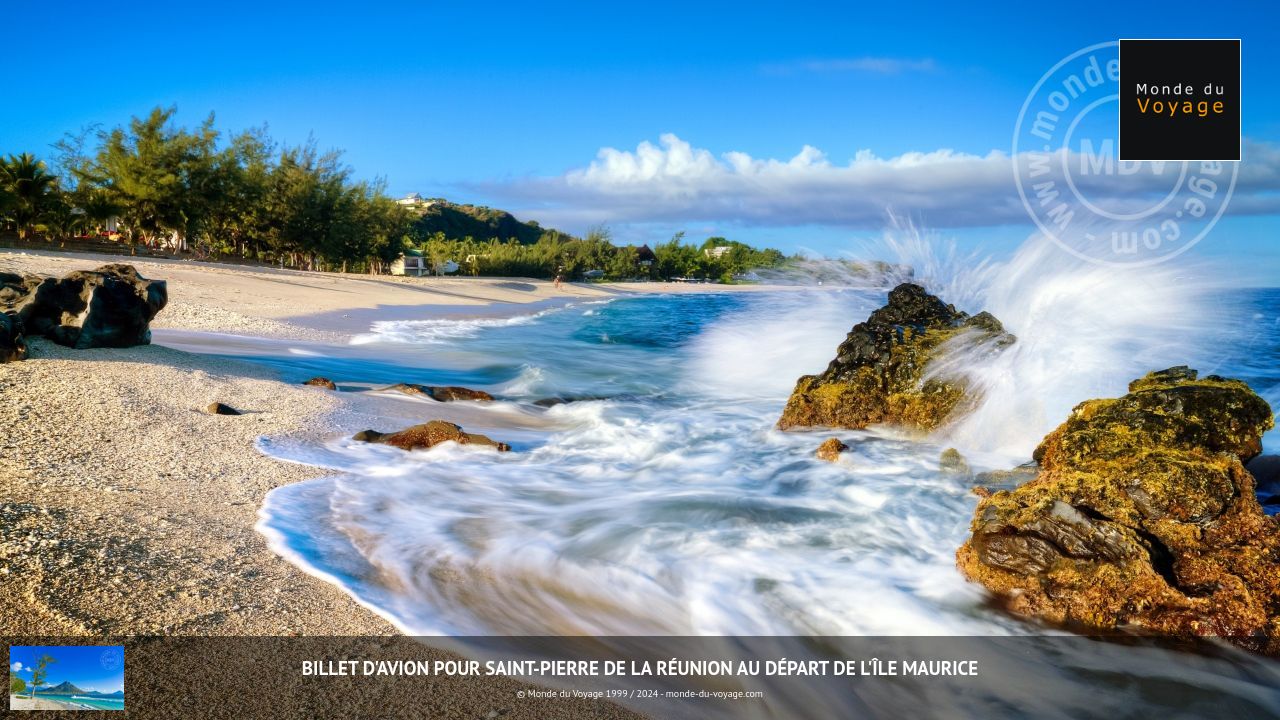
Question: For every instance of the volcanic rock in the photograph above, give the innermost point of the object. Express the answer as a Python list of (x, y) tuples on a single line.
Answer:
[(221, 409), (878, 374), (830, 449), (109, 307), (323, 382), (429, 434), (1142, 517), (441, 393), (13, 346)]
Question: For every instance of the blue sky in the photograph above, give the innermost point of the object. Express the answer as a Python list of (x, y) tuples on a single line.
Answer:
[(81, 665), (500, 103)]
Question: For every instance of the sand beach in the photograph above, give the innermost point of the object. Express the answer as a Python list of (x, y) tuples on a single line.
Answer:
[(127, 510)]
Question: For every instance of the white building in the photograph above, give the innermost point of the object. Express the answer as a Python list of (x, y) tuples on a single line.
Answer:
[(414, 200), (410, 263)]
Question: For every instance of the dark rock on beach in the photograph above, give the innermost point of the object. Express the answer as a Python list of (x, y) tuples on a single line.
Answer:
[(221, 409), (878, 374), (13, 346), (1142, 517), (441, 393), (429, 434), (323, 382), (830, 449), (109, 307), (554, 401)]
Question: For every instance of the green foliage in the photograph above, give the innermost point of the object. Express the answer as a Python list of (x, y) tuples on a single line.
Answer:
[(40, 673), (242, 195), (458, 221), (555, 253), (28, 190), (16, 685), (198, 190)]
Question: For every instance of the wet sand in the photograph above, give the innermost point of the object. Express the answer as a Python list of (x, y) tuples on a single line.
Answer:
[(126, 510)]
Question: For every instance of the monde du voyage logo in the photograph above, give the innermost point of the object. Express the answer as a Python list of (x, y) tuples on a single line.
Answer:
[(1126, 151)]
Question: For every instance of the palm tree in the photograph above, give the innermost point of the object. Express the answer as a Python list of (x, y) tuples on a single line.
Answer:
[(29, 185), (99, 206)]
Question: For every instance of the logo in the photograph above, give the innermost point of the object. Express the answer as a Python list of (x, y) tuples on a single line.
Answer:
[(1082, 196), (1180, 100)]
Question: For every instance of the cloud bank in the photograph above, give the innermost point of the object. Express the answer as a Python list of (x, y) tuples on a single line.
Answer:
[(674, 182)]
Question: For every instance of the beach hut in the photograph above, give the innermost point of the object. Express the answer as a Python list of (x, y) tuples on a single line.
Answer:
[(645, 256), (411, 263)]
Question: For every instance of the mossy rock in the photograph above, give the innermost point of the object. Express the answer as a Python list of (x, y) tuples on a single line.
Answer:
[(830, 449), (427, 435), (878, 374), (1143, 517)]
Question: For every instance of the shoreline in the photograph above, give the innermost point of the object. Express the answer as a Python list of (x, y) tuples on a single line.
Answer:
[(127, 510), (263, 301), (22, 702)]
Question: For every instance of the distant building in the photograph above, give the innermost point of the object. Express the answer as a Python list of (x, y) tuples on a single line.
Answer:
[(645, 256), (414, 200), (411, 263), (717, 252)]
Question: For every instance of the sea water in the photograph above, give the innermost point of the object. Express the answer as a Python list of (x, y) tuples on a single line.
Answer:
[(87, 702), (661, 499)]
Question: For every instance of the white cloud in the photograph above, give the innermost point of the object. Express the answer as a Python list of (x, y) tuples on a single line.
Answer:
[(674, 181), (16, 667)]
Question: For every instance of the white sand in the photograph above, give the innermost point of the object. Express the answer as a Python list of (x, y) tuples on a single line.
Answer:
[(251, 300), (38, 703), (125, 509)]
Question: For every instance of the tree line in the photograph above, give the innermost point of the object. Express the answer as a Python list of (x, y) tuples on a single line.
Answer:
[(555, 253), (243, 195)]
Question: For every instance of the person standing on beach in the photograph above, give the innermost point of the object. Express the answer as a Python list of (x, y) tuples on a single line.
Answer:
[(559, 277)]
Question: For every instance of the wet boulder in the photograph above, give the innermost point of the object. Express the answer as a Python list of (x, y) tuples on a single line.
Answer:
[(111, 306), (1142, 517), (429, 434), (830, 449), (879, 372), (321, 382), (441, 393)]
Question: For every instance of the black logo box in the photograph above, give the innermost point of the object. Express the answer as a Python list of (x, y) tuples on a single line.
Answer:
[(1185, 67)]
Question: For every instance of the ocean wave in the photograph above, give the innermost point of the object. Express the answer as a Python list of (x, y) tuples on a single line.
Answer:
[(440, 330)]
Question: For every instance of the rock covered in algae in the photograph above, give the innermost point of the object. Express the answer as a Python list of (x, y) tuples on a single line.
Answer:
[(427, 435), (878, 374), (830, 449), (1142, 517)]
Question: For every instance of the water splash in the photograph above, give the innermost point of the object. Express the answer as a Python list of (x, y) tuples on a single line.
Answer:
[(1084, 330)]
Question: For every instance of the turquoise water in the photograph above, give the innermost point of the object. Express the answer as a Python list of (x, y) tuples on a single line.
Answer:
[(90, 703), (664, 502)]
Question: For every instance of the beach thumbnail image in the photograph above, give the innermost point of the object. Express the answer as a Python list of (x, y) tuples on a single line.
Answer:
[(66, 677)]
